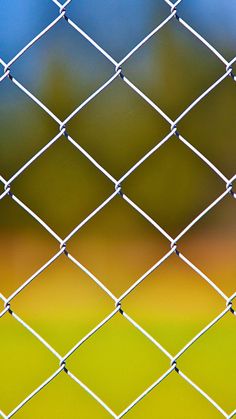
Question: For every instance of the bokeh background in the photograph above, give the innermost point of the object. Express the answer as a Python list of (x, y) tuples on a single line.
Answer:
[(118, 245)]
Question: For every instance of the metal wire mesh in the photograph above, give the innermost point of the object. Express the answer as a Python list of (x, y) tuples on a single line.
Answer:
[(227, 189)]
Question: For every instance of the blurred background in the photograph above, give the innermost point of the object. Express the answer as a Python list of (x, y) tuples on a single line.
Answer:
[(62, 187)]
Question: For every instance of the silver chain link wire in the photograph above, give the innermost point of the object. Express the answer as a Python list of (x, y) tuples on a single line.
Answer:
[(227, 189)]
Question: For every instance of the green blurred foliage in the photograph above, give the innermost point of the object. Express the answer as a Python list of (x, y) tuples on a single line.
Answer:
[(117, 129)]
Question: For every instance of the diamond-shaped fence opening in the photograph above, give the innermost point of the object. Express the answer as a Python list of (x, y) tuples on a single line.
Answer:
[(163, 312), (172, 67), (118, 127), (113, 346)]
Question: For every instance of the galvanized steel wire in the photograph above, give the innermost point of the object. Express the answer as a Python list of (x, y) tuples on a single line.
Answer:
[(172, 242)]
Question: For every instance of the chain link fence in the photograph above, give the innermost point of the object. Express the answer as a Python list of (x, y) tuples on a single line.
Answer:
[(227, 189)]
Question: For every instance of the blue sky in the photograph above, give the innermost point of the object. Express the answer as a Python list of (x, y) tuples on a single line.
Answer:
[(116, 25)]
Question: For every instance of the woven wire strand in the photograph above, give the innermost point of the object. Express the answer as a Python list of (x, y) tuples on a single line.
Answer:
[(227, 189)]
